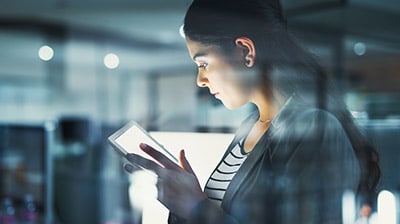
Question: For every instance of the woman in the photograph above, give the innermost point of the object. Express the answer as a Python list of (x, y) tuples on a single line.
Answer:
[(292, 160)]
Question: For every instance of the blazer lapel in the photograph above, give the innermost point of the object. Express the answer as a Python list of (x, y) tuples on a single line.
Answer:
[(258, 151), (245, 169)]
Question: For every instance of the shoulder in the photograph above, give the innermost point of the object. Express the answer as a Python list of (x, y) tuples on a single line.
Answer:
[(321, 121), (315, 114), (320, 131), (310, 129), (302, 120), (296, 113), (316, 118)]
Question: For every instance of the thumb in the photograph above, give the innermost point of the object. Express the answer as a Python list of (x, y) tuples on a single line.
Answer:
[(130, 168), (184, 162)]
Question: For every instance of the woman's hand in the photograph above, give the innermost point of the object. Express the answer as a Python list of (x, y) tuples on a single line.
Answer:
[(178, 187)]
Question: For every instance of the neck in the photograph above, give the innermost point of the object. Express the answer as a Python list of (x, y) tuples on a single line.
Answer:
[(268, 107)]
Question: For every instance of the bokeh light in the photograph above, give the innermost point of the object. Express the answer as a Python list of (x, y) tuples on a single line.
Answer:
[(111, 61), (359, 48), (46, 53), (387, 207)]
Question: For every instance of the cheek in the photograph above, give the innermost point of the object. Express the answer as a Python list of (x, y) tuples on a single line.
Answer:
[(240, 82), (234, 82), (233, 96)]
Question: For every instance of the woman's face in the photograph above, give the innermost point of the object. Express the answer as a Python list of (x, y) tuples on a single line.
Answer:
[(226, 78)]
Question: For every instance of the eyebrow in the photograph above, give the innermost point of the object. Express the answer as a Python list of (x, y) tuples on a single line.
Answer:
[(200, 54)]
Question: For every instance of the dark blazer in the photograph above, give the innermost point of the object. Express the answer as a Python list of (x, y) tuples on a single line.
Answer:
[(297, 173)]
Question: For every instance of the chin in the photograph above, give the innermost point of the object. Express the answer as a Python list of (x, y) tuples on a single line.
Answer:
[(231, 106)]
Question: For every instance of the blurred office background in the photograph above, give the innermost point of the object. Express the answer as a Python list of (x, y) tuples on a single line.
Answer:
[(72, 72)]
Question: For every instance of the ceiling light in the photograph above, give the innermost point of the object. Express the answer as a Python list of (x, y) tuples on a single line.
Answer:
[(111, 61), (359, 48), (46, 53)]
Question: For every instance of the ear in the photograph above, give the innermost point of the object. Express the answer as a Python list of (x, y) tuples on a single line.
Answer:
[(248, 48)]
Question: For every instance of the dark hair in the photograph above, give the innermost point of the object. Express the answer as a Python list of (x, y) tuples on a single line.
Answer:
[(282, 61)]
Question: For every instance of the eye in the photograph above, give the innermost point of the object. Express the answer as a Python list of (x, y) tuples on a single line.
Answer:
[(203, 65)]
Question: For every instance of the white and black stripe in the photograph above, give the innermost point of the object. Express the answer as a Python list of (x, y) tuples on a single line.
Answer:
[(223, 175)]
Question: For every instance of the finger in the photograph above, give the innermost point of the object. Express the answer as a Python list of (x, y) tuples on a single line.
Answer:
[(184, 162), (143, 162), (130, 168), (161, 158)]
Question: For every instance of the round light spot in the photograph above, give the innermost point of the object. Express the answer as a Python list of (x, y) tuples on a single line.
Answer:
[(359, 49), (46, 53), (111, 61)]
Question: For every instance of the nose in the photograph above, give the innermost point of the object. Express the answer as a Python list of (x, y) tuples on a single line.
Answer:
[(202, 81)]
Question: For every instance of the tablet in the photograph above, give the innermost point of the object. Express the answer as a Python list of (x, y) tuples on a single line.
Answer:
[(128, 138)]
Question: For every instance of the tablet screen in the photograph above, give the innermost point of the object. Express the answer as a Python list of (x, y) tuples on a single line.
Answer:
[(128, 138)]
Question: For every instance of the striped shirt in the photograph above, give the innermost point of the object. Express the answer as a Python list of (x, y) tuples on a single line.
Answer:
[(219, 180)]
